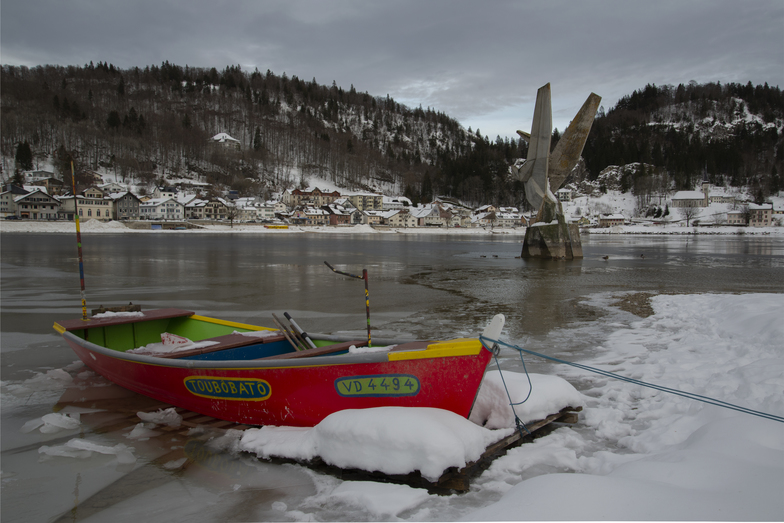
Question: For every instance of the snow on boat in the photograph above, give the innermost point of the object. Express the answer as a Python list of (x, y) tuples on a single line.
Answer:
[(253, 375)]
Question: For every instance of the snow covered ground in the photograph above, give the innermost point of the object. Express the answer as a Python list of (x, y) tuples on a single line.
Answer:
[(114, 227), (637, 453)]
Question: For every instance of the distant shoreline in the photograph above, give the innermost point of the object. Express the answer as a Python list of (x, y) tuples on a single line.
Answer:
[(114, 227)]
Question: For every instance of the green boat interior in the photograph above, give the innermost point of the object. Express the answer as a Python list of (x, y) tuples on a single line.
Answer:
[(124, 333)]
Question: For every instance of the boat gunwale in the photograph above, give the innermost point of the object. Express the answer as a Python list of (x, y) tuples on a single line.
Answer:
[(315, 361)]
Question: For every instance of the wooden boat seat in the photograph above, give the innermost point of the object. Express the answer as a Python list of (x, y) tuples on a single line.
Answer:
[(227, 341), (92, 323), (318, 351)]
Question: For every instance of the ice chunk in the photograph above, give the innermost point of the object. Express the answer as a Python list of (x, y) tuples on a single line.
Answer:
[(162, 417), (142, 432)]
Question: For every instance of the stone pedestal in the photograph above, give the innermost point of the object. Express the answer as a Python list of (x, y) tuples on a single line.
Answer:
[(557, 240)]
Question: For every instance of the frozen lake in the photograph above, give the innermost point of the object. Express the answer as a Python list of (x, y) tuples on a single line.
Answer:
[(425, 287)]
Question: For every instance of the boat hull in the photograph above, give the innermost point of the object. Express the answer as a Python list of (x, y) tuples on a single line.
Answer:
[(294, 393)]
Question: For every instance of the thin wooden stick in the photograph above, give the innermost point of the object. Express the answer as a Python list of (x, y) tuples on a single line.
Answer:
[(79, 242), (285, 332)]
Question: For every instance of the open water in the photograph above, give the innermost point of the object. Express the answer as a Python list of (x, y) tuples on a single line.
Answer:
[(420, 286)]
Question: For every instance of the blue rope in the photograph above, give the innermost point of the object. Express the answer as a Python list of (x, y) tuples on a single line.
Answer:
[(518, 422), (689, 395)]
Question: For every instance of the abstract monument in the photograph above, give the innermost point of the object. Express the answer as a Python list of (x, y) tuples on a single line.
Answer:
[(544, 172)]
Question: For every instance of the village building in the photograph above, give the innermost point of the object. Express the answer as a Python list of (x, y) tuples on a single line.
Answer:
[(367, 201), (112, 188), (427, 215), (402, 219), (125, 205), (7, 203), (611, 220), (761, 215), (161, 209), (216, 210), (564, 195), (722, 198), (683, 199), (337, 214), (91, 203), (52, 185), (194, 209), (227, 141), (36, 205), (314, 198), (507, 219), (736, 218), (389, 203), (165, 192), (483, 219)]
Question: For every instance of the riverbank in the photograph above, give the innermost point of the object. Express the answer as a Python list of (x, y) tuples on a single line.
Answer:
[(113, 227)]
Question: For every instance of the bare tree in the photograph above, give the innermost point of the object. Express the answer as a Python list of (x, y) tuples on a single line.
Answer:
[(689, 213)]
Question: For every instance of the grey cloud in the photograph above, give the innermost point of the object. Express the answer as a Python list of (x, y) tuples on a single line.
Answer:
[(480, 62)]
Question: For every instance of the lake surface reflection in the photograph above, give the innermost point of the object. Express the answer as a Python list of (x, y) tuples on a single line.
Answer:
[(420, 286)]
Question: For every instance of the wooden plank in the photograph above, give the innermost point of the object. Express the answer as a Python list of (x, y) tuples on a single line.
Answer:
[(90, 323)]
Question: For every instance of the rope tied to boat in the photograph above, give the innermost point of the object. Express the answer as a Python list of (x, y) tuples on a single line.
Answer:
[(489, 342)]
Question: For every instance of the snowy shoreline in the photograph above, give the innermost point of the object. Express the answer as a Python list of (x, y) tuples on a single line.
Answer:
[(114, 227), (636, 453)]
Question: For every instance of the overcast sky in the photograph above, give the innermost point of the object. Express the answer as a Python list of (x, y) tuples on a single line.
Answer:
[(480, 62)]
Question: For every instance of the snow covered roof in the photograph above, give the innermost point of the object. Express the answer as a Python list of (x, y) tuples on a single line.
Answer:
[(689, 195), (118, 195), (23, 196), (153, 202), (396, 199), (223, 138), (33, 188)]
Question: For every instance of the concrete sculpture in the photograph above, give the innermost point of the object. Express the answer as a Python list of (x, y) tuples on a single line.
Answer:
[(544, 172)]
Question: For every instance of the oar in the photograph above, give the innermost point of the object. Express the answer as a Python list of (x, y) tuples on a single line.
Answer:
[(298, 330), (297, 337), (367, 298), (283, 330)]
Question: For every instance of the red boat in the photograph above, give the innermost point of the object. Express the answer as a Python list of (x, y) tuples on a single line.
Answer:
[(257, 376)]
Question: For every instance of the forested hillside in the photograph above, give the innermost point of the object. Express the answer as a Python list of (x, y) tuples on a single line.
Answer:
[(731, 133), (155, 124)]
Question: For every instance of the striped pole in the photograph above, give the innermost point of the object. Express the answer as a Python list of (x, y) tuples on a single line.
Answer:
[(79, 243), (367, 302), (367, 296)]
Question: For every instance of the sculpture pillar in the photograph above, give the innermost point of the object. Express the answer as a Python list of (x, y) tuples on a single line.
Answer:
[(543, 173)]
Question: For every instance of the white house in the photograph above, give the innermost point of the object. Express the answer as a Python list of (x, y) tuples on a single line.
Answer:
[(227, 141), (390, 203), (161, 209), (564, 195), (736, 218), (690, 199), (402, 219)]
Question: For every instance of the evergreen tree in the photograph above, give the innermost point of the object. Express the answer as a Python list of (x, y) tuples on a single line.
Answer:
[(113, 121), (257, 139), (24, 156), (426, 193)]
